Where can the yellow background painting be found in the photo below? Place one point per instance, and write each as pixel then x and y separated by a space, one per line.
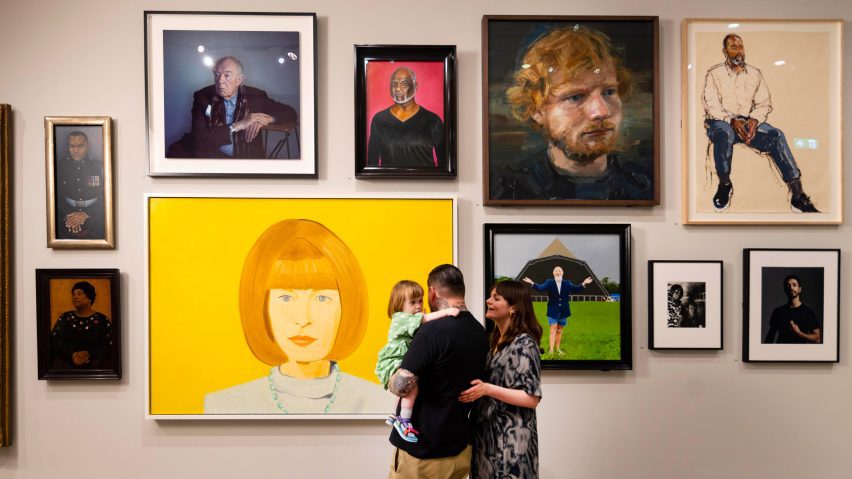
pixel 196 251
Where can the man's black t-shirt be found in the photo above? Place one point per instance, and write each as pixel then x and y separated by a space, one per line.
pixel 446 355
pixel 803 316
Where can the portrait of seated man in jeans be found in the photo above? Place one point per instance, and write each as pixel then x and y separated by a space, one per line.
pixel 736 105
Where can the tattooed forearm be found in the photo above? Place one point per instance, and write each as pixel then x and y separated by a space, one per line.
pixel 402 382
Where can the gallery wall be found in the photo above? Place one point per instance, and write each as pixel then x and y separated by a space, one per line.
pixel 676 414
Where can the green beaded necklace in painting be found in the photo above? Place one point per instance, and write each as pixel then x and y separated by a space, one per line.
pixel 283 410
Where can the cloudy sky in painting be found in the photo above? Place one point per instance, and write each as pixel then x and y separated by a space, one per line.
pixel 512 251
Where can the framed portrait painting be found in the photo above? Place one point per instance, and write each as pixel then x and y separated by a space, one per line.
pixel 5 273
pixel 570 111
pixel 78 323
pixel 685 304
pixel 231 93
pixel 579 279
pixel 79 182
pixel 405 111
pixel 791 305
pixel 758 147
pixel 292 310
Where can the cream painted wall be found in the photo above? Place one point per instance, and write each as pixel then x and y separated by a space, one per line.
pixel 675 415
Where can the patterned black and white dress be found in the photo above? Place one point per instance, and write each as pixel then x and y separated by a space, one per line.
pixel 505 437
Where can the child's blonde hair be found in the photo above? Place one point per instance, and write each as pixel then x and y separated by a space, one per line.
pixel 403 291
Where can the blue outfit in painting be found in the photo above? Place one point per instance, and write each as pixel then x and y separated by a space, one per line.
pixel 558 308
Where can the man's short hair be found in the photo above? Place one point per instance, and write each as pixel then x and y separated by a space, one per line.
pixel 233 59
pixel 447 280
pixel 730 35
pixel 87 289
pixel 79 133
pixel 406 69
pixel 792 276
pixel 556 58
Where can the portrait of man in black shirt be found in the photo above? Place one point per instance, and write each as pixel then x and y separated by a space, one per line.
pixel 794 322
pixel 406 134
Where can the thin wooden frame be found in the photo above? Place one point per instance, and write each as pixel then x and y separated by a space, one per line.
pixel 698 285
pixel 766 313
pixel 181 49
pixel 782 54
pixel 517 169
pixel 54 288
pixel 79 187
pixel 435 69
pixel 601 251
pixel 5 275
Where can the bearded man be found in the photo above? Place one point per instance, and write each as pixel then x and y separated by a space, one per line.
pixel 736 106
pixel 406 134
pixel 570 88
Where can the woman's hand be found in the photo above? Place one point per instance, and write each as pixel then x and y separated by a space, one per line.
pixel 475 392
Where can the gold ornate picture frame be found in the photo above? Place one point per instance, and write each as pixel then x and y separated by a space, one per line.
pixel 79 182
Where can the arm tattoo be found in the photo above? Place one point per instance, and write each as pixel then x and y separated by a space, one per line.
pixel 402 382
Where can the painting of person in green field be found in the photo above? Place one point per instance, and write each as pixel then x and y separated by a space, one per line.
pixel 558 303
pixel 574 276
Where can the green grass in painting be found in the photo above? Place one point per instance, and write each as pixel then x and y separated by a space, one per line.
pixel 592 333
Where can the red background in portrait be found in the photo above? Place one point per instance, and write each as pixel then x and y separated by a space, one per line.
pixel 430 87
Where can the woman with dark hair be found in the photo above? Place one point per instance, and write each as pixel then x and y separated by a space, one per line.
pixel 505 437
pixel 675 306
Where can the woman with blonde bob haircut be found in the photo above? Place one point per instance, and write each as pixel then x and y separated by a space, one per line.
pixel 303 307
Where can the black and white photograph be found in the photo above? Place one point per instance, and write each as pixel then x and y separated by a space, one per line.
pixel 685 304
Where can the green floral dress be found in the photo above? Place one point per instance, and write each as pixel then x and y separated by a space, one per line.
pixel 402 329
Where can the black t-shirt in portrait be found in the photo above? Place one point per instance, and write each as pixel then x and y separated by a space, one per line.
pixel 446 355
pixel 803 316
pixel 406 143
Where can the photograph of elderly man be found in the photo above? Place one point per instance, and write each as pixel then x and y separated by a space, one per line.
pixel 563 126
pixel 252 102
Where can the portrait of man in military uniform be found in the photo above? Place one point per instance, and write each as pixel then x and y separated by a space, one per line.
pixel 79 191
pixel 79 182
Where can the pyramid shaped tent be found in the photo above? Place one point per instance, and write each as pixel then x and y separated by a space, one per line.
pixel 576 270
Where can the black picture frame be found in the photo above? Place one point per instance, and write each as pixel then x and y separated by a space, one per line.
pixel 374 65
pixel 517 165
pixel 279 57
pixel 56 358
pixel 685 304
pixel 768 276
pixel 603 339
